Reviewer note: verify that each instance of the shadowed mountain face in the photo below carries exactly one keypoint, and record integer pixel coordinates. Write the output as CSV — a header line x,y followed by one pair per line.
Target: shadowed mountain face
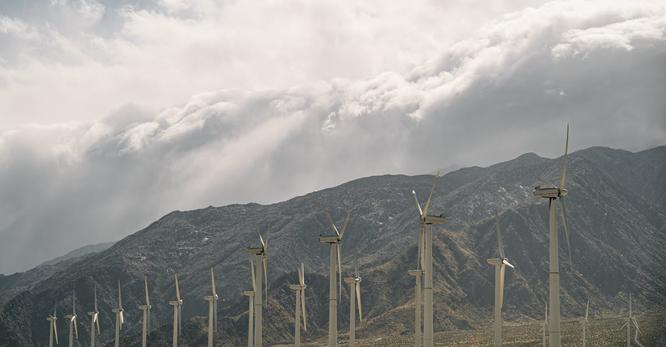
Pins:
x,y
617,216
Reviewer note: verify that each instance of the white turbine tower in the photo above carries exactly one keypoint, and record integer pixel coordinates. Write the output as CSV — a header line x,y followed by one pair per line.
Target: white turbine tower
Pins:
x,y
545,327
584,323
250,312
426,222
177,310
500,265
94,320
354,299
553,193
418,303
335,265
120,316
73,329
146,315
259,258
212,309
299,289
631,320
53,329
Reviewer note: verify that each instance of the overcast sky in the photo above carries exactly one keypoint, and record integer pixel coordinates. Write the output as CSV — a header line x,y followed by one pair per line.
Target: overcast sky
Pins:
x,y
113,113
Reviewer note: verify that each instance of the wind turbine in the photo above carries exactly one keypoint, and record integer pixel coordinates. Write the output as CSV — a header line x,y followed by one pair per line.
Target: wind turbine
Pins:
x,y
553,193
426,222
354,298
584,323
146,315
500,265
94,320
632,320
73,329
418,303
250,312
334,265
177,308
545,327
259,259
53,329
120,316
212,309
299,289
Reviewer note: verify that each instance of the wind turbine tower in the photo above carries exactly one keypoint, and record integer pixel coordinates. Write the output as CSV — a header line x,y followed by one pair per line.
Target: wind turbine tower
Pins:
x,y
146,315
94,320
299,289
335,269
354,299
553,193
177,311
120,316
585,321
212,309
426,222
631,320
73,329
418,303
53,329
259,260
500,265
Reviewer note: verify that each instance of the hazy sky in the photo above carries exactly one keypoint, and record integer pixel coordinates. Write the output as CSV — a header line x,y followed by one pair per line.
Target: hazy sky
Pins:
x,y
113,113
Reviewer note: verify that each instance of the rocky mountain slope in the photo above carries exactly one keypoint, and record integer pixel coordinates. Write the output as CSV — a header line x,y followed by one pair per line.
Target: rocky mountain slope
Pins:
x,y
617,216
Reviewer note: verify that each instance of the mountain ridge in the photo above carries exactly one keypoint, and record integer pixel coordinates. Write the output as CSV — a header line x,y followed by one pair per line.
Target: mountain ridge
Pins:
x,y
611,215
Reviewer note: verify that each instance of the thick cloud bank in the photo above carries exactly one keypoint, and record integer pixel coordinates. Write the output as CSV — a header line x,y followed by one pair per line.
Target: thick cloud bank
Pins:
x,y
509,89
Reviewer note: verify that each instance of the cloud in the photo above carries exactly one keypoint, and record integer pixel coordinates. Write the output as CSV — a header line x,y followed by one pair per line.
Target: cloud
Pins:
x,y
507,90
91,56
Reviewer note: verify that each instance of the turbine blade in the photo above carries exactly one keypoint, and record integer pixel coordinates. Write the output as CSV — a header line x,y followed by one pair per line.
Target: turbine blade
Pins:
x,y
215,314
417,203
333,227
265,263
501,285
564,161
254,277
76,329
122,319
305,318
420,263
358,301
427,205
212,281
95,290
339,256
506,262
344,226
97,323
261,239
145,287
120,297
301,275
499,236
566,227
180,320
55,331
177,287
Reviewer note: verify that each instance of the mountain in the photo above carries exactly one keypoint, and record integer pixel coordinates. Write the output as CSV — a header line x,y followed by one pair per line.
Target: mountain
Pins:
x,y
11,285
79,252
617,216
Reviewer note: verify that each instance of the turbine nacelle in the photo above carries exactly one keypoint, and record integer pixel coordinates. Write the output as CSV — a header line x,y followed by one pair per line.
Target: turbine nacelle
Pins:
x,y
329,239
415,273
249,293
549,192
